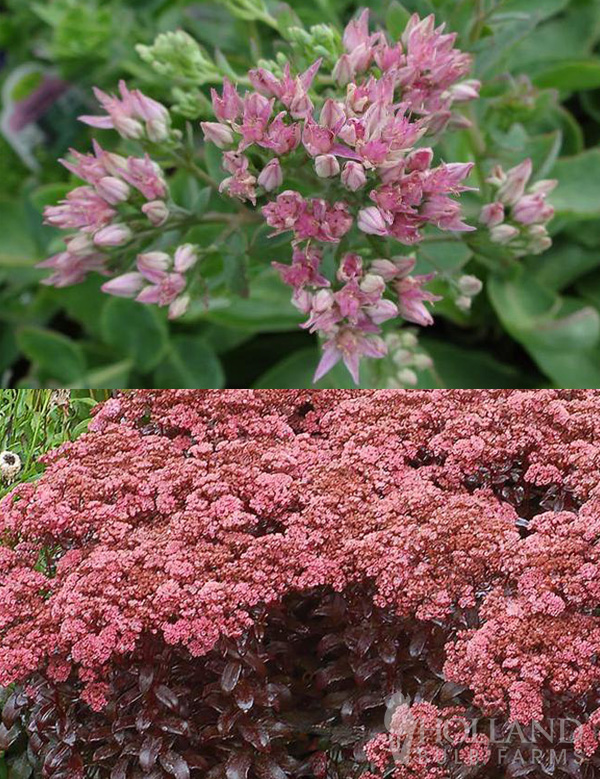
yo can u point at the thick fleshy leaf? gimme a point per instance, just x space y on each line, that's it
578 191
175 765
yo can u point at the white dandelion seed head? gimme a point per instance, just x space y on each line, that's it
10 465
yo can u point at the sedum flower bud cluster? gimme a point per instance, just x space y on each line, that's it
518 215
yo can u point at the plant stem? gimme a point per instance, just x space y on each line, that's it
36 431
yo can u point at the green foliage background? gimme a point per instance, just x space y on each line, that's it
536 324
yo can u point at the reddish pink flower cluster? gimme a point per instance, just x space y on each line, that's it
425 740
467 519
394 95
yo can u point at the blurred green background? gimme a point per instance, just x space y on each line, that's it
533 326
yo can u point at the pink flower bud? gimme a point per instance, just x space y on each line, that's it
228 107
492 214
373 284
350 267
156 211
234 162
470 285
513 186
112 189
302 300
125 286
113 235
157 130
332 114
322 301
186 256
179 306
419 159
372 221
538 239
438 121
128 127
316 139
407 377
326 166
356 31
264 82
532 208
465 90
385 269
301 105
347 133
543 187
353 176
459 122
153 265
382 311
216 133
343 72
503 233
79 244
271 176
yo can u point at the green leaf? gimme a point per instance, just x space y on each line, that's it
517 144
17 247
396 19
213 157
569 75
460 367
223 339
189 363
235 264
297 370
83 303
541 10
267 308
570 370
53 353
8 347
113 376
48 195
26 85
186 191
560 334
562 264
589 288
578 191
439 256
538 318
570 36
135 331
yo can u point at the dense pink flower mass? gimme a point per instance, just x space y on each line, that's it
361 141
263 570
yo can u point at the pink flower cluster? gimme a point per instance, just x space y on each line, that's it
425 740
117 189
350 317
364 138
473 514
133 115
158 278
518 216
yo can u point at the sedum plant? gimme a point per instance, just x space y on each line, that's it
330 164
297 583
